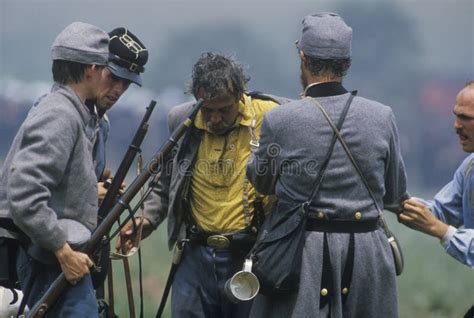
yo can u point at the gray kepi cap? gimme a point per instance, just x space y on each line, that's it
82 43
325 36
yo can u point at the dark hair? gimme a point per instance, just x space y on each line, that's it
336 67
469 83
67 72
217 75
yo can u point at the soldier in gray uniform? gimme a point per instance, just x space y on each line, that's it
338 278
48 187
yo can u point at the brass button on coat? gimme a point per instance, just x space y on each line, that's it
320 215
345 290
324 292
358 215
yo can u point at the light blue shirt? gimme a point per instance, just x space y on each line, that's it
454 205
98 153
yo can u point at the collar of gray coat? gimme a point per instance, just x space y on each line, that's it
85 112
90 119
324 89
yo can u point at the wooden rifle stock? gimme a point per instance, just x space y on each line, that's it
58 286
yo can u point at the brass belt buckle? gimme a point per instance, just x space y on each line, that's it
219 242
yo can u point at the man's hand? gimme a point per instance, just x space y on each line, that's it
75 265
129 235
102 190
105 182
417 216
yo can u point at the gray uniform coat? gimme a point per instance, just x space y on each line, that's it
293 142
48 184
170 195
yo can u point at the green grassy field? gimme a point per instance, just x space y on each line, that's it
433 283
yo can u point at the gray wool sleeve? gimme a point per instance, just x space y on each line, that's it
48 140
395 175
262 168
157 203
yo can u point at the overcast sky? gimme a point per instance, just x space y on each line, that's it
445 27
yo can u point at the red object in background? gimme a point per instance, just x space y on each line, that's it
438 97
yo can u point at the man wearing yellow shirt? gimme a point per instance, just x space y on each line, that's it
203 189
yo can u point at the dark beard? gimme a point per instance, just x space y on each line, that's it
303 79
222 129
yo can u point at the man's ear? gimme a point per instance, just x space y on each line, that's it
89 70
302 56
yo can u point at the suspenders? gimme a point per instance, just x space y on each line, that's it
253 146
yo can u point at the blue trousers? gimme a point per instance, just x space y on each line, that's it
198 287
76 301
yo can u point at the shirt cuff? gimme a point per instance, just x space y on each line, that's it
448 236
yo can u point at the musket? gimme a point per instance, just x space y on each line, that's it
134 148
113 191
58 286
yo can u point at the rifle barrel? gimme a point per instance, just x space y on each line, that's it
133 149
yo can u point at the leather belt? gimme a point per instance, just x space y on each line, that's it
339 226
239 240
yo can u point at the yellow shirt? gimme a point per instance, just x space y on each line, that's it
218 178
